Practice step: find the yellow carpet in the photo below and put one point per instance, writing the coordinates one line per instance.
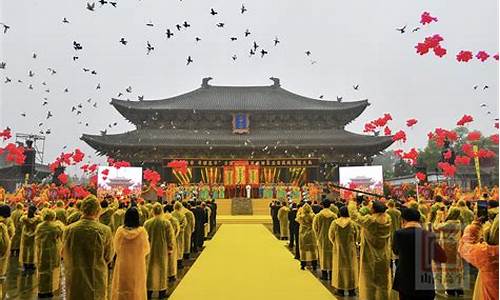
(244, 261)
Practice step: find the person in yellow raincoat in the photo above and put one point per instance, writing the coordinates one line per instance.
(161, 240)
(131, 247)
(27, 252)
(321, 227)
(74, 214)
(375, 253)
(283, 218)
(449, 275)
(117, 217)
(396, 222)
(60, 212)
(48, 245)
(87, 251)
(5, 241)
(106, 213)
(343, 234)
(18, 227)
(484, 256)
(188, 231)
(307, 238)
(466, 215)
(172, 256)
(178, 213)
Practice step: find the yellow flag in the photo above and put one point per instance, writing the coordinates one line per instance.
(478, 168)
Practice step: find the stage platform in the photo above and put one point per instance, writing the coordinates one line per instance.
(260, 207)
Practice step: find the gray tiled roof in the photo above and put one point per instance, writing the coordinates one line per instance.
(240, 98)
(178, 138)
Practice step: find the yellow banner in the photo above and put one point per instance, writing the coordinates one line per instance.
(253, 176)
(240, 174)
(228, 175)
(478, 168)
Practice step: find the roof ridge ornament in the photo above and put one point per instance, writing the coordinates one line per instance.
(276, 81)
(204, 82)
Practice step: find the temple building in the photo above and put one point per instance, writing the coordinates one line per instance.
(241, 135)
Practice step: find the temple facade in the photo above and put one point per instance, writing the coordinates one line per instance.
(283, 136)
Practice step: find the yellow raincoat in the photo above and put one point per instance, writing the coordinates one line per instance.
(172, 256)
(5, 246)
(48, 245)
(178, 213)
(18, 226)
(162, 240)
(105, 217)
(27, 254)
(61, 215)
(375, 256)
(321, 227)
(449, 275)
(343, 235)
(87, 252)
(74, 217)
(117, 219)
(283, 218)
(129, 275)
(307, 238)
(188, 231)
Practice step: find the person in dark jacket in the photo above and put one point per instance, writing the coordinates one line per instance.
(200, 219)
(274, 207)
(293, 229)
(417, 248)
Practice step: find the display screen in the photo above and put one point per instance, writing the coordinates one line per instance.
(119, 181)
(363, 178)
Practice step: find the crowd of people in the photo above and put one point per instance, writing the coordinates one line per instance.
(94, 236)
(383, 248)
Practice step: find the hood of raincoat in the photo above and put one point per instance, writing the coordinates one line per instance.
(343, 221)
(130, 233)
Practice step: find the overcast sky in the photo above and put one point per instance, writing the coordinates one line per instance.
(352, 42)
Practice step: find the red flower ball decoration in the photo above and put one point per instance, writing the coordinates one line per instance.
(482, 56)
(105, 172)
(178, 165)
(439, 51)
(387, 130)
(426, 18)
(464, 56)
(464, 120)
(420, 176)
(495, 56)
(468, 150)
(6, 134)
(462, 160)
(494, 138)
(474, 136)
(78, 156)
(399, 136)
(411, 122)
(485, 153)
(412, 156)
(448, 170)
(63, 178)
(447, 155)
(152, 176)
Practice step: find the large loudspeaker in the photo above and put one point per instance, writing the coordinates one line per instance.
(29, 161)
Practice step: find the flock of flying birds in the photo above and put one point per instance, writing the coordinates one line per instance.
(78, 109)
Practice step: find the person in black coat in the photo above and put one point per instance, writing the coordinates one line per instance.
(417, 248)
(213, 216)
(316, 208)
(293, 227)
(274, 206)
(200, 219)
